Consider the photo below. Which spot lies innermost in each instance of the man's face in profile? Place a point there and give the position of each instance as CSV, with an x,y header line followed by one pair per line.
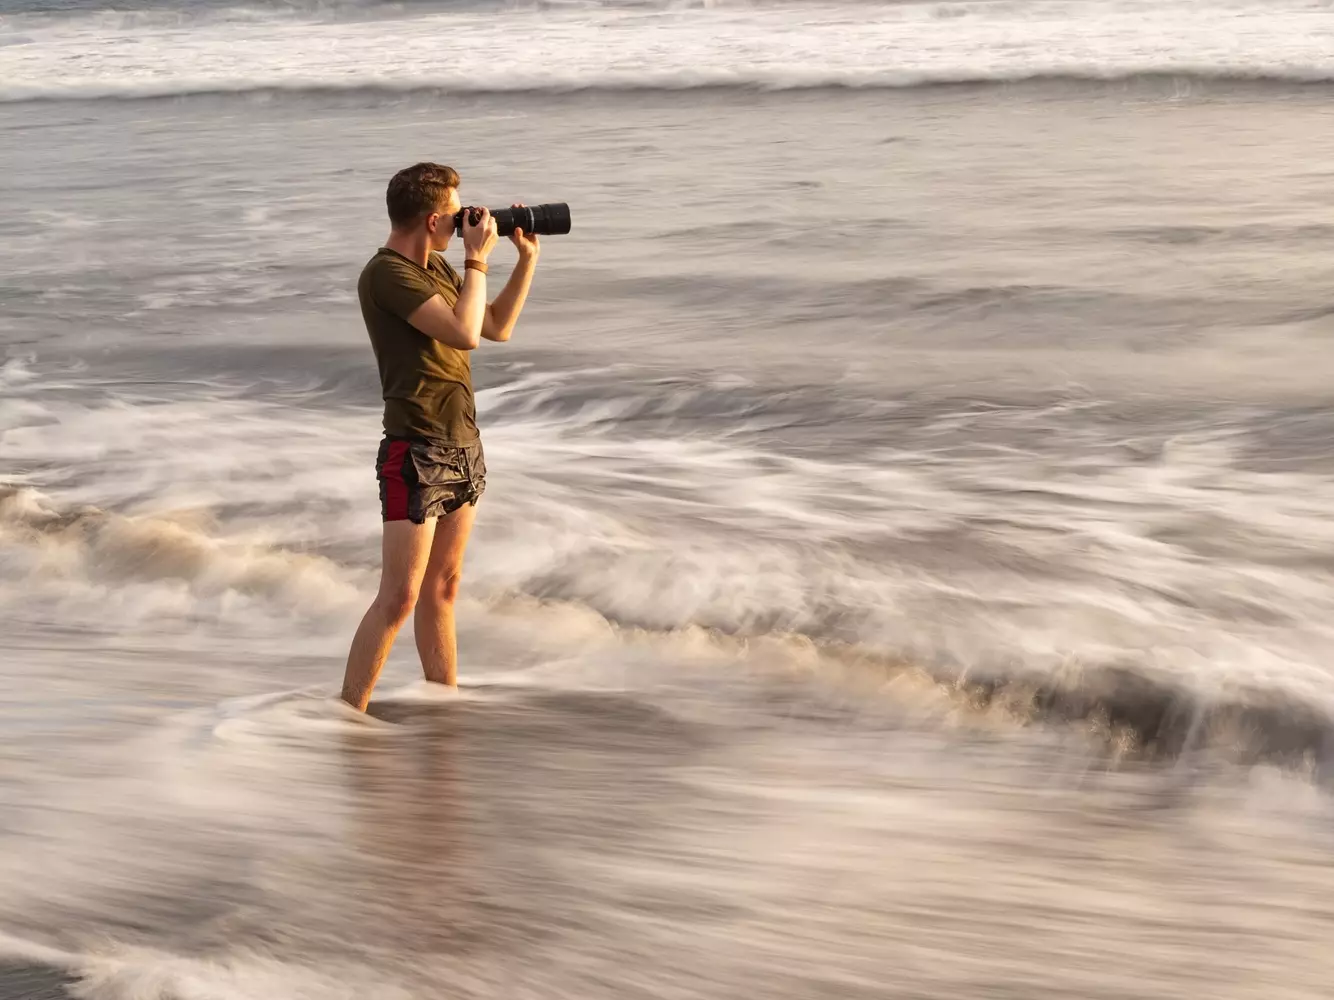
x,y
440,226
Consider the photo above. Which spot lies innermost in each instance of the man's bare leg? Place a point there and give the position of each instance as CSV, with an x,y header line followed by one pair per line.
x,y
406,551
434,620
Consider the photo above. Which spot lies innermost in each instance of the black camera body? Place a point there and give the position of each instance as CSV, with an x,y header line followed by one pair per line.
x,y
542,220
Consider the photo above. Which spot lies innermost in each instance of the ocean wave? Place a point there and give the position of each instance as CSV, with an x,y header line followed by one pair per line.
x,y
691,82
612,49
1130,710
112,971
1130,577
86,544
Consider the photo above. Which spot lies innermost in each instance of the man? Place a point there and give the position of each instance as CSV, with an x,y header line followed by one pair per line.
x,y
423,320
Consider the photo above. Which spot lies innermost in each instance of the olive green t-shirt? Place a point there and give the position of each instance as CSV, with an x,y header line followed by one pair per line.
x,y
427,387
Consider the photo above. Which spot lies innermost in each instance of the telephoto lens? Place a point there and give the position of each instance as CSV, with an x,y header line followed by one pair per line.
x,y
542,220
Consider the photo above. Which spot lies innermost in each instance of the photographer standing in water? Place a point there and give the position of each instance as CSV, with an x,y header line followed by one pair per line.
x,y
423,320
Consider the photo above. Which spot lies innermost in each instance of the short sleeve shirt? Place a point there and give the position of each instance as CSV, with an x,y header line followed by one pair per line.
x,y
427,386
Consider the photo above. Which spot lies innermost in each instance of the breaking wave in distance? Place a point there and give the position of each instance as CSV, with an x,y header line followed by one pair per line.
x,y
164,52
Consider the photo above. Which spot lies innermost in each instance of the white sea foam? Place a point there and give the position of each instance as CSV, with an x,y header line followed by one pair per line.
x,y
897,550
546,48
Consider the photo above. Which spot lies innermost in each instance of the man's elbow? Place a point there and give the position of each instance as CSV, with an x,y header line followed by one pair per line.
x,y
493,329
459,339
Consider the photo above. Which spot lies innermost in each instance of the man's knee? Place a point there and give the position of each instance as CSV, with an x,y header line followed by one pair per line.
x,y
397,603
442,589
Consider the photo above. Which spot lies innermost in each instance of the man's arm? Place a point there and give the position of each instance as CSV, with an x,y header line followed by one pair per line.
x,y
503,313
462,326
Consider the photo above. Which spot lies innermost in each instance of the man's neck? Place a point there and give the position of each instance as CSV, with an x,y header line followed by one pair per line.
x,y
413,246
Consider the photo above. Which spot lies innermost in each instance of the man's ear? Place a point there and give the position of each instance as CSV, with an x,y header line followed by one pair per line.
x,y
432,221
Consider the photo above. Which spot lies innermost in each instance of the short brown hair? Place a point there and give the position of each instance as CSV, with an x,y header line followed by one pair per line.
x,y
419,190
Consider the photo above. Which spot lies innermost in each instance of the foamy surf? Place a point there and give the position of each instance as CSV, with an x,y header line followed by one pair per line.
x,y
290,715
792,46
496,684
121,972
95,546
899,553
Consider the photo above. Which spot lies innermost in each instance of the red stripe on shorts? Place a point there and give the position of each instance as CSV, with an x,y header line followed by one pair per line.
x,y
395,489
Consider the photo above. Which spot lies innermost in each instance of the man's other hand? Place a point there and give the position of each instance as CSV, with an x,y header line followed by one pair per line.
x,y
528,246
